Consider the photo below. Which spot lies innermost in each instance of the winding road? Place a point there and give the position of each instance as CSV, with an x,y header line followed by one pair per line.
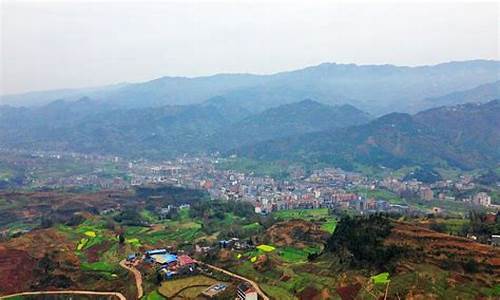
x,y
253,283
137,275
138,283
115,294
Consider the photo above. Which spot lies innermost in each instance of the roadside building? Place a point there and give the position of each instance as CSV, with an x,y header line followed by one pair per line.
x,y
481,199
131,257
426,193
495,240
164,259
245,291
149,253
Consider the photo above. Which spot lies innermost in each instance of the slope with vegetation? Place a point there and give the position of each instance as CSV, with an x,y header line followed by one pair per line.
x,y
465,136
89,127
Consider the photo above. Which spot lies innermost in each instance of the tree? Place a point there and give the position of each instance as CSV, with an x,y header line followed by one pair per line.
x,y
121,238
359,240
46,222
470,266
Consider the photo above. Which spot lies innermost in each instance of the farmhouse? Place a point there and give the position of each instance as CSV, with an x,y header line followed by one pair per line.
x,y
149,253
495,240
171,265
131,257
164,259
246,292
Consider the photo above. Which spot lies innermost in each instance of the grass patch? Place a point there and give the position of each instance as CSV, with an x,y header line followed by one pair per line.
x,y
492,292
305,214
82,244
99,266
329,226
252,226
382,194
134,242
154,295
295,255
91,234
266,248
381,278
191,292
170,288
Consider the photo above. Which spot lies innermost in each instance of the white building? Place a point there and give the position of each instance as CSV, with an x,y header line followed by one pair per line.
x,y
482,199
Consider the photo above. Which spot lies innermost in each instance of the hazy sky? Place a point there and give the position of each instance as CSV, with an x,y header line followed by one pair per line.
x,y
48,45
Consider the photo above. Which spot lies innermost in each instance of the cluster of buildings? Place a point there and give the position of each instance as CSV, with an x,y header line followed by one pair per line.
x,y
170,265
328,187
463,189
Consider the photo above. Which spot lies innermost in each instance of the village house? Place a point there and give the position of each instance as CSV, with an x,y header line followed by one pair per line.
x,y
495,240
246,292
481,199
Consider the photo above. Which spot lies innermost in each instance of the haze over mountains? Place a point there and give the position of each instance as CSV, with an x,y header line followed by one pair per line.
x,y
377,89
322,114
166,130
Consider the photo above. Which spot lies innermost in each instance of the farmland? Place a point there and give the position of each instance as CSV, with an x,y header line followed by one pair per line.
x,y
288,258
195,285
305,214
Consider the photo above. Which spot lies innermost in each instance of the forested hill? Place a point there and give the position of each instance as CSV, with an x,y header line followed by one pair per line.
x,y
464,136
215,125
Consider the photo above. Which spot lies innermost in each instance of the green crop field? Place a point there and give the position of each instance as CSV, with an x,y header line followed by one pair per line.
x,y
329,226
305,214
295,255
266,248
98,266
381,278
154,295
381,194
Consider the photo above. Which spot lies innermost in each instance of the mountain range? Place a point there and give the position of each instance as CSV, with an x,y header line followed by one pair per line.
x,y
377,89
465,136
272,117
163,131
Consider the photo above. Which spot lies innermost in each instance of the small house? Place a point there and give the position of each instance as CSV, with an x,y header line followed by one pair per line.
x,y
131,257
495,240
245,291
149,253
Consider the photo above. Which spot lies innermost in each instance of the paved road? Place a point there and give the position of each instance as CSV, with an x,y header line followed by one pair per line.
x,y
137,275
115,294
253,283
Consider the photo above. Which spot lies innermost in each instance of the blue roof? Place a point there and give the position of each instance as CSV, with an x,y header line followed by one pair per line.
x,y
170,258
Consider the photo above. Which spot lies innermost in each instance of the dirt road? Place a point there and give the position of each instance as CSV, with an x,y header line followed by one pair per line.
x,y
253,283
115,294
137,275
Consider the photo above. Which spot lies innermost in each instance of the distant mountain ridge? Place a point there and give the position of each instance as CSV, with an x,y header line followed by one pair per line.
x,y
288,120
482,93
214,125
464,136
376,89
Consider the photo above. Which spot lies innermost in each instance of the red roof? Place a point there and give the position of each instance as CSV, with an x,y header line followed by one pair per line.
x,y
185,260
